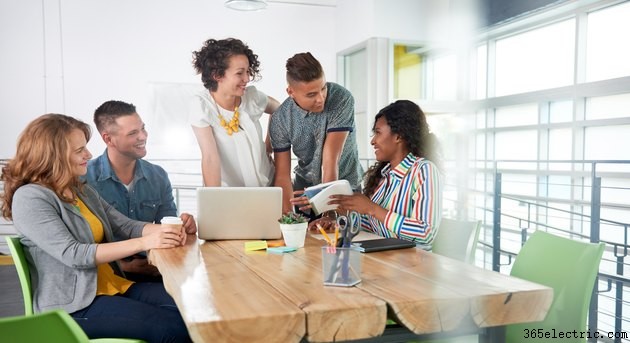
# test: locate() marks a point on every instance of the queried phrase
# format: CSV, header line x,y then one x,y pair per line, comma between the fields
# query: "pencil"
x,y
319,227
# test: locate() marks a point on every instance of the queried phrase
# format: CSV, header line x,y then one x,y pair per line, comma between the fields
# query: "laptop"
x,y
239,213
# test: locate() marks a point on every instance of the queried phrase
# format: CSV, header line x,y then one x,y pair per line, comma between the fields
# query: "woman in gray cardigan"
x,y
67,232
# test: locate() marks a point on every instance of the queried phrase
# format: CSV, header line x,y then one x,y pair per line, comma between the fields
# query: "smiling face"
x,y
388,146
78,151
236,77
310,96
127,137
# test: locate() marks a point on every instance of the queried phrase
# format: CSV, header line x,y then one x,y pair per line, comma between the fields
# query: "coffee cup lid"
x,y
171,220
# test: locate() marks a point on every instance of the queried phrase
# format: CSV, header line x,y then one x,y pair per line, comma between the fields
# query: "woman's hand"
x,y
166,236
356,202
328,224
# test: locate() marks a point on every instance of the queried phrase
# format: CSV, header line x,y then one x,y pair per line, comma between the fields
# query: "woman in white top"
x,y
225,116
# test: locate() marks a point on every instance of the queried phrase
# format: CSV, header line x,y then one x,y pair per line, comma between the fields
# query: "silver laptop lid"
x,y
239,212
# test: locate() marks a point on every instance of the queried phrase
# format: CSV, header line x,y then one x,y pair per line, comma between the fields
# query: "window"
x,y
537,59
608,51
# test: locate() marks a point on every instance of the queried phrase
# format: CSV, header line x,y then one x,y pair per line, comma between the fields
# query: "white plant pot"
x,y
294,234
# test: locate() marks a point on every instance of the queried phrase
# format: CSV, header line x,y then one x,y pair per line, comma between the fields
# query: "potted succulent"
x,y
292,218
293,226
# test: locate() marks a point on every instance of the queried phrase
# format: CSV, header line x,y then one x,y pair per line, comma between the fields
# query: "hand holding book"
x,y
319,195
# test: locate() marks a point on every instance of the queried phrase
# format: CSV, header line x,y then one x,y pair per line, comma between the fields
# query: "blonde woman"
x,y
67,231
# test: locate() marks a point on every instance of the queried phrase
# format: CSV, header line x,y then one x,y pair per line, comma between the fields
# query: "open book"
x,y
319,195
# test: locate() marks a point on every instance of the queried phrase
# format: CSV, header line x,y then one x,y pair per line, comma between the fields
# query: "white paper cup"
x,y
172,221
294,234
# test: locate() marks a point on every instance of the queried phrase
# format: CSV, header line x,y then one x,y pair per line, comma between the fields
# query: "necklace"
x,y
233,125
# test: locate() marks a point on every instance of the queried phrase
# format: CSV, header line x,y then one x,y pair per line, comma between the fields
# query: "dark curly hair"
x,y
407,120
213,59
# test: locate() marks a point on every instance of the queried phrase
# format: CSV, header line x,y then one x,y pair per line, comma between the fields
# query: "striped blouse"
x,y
411,193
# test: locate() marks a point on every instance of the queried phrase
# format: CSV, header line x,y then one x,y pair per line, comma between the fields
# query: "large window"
x,y
608,51
547,106
537,59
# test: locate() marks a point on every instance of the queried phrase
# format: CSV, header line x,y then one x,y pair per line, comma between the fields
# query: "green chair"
x,y
21,265
52,327
457,239
569,267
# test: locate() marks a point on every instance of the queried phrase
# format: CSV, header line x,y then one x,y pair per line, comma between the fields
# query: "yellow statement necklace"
x,y
234,123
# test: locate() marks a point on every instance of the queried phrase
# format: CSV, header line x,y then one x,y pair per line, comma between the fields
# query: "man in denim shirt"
x,y
136,188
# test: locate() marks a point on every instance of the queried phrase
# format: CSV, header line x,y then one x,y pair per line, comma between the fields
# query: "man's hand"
x,y
188,222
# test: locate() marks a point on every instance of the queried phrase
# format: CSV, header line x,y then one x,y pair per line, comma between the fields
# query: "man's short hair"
x,y
303,67
106,114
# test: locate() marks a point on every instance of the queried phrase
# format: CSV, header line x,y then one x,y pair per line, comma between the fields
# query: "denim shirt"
x,y
150,197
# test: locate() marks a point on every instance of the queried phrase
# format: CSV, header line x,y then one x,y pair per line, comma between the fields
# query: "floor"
x,y
10,293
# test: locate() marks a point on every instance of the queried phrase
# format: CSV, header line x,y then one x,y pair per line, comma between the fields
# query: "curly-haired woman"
x,y
402,194
225,116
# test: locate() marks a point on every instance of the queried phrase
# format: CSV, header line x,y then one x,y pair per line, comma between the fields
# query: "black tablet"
x,y
382,244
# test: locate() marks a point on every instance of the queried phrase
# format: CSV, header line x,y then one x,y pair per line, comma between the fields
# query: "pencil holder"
x,y
341,266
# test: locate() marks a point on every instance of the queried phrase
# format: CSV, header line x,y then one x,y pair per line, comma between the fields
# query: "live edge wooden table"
x,y
228,295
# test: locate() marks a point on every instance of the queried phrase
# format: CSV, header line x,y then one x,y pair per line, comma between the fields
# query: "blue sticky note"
x,y
280,250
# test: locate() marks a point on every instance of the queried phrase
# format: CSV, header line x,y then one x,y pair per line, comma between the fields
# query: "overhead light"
x,y
246,5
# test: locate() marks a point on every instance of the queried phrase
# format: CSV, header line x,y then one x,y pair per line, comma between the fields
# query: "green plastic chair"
x,y
21,265
457,239
53,327
569,267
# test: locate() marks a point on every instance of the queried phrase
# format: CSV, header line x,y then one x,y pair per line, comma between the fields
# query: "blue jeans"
x,y
144,312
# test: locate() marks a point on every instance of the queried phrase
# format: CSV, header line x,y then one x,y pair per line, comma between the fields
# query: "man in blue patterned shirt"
x,y
317,122
136,188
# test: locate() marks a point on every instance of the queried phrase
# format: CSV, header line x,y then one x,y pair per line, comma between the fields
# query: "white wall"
x,y
69,56
434,21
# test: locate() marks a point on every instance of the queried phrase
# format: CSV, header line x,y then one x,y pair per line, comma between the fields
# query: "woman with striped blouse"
x,y
402,194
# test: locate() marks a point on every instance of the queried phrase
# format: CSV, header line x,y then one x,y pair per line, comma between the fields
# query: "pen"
x,y
336,235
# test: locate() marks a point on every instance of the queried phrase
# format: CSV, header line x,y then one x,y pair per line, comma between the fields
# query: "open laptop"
x,y
239,212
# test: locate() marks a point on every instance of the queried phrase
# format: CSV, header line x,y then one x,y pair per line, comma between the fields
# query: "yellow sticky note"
x,y
255,245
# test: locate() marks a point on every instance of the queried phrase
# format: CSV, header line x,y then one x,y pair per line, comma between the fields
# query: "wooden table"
x,y
228,295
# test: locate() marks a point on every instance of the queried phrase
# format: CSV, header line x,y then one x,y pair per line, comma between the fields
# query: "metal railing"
x,y
582,210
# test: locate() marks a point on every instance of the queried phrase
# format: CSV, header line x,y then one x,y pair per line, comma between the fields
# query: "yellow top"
x,y
107,283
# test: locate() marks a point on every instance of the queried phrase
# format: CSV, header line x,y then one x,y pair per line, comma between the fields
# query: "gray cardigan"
x,y
59,245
